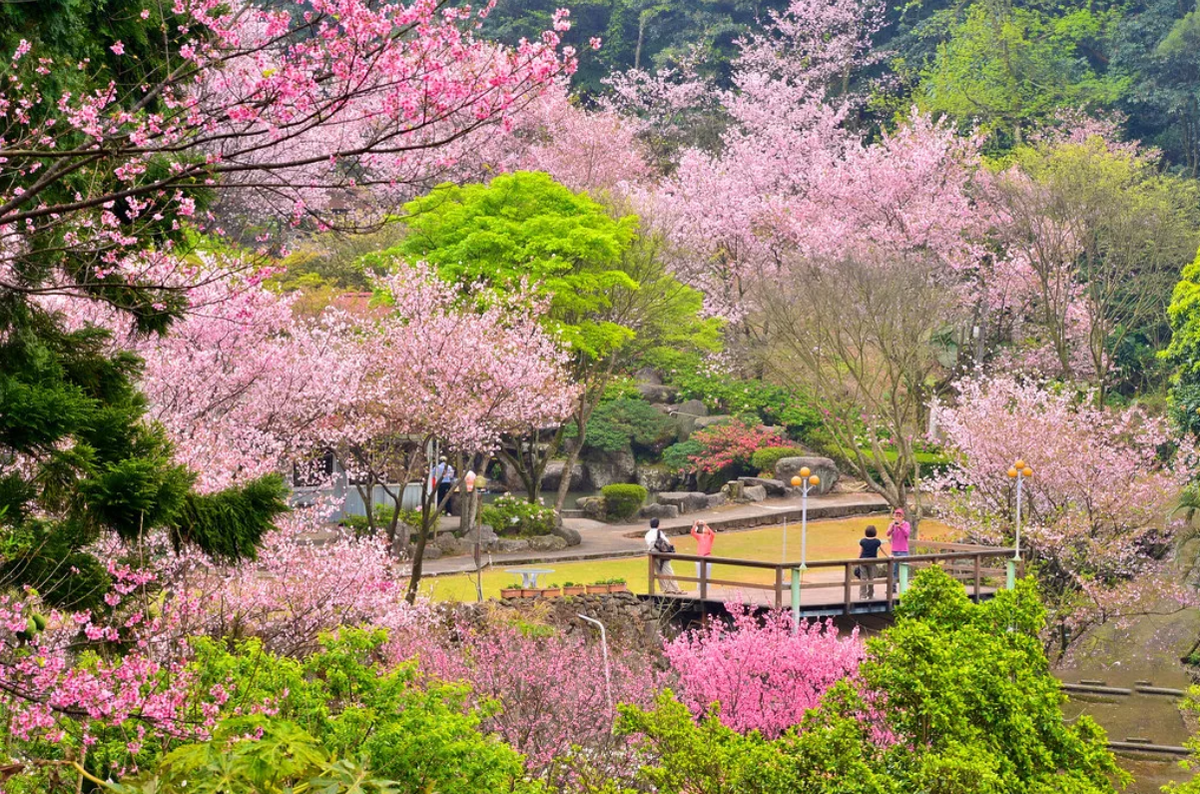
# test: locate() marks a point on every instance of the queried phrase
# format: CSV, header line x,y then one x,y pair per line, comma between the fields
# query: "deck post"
x,y
795,600
904,571
978,563
703,570
779,587
650,557
848,589
1011,565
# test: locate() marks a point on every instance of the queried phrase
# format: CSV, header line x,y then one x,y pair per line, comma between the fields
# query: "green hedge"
x,y
765,459
623,500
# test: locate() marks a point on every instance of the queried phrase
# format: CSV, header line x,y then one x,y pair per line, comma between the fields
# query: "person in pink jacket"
x,y
898,533
704,536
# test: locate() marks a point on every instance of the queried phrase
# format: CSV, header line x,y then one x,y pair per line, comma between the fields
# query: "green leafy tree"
x,y
612,302
1012,67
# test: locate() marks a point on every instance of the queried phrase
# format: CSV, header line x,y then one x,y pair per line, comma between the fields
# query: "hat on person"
x,y
442,459
899,511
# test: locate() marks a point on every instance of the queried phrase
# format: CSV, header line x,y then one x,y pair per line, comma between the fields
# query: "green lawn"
x,y
827,540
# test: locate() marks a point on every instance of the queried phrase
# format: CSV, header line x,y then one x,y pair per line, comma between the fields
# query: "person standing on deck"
x,y
705,537
898,533
657,541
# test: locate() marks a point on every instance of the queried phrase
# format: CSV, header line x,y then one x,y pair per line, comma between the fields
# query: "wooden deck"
x,y
830,587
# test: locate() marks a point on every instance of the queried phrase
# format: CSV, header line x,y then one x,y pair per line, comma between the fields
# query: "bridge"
x,y
825,588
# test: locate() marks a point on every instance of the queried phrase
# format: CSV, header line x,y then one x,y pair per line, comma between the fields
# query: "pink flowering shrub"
x,y
550,691
762,675
729,444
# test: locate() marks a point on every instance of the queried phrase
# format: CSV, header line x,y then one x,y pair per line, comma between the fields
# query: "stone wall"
x,y
628,620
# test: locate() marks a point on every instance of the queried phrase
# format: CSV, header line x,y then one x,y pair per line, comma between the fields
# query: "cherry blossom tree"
x,y
1095,514
447,374
286,106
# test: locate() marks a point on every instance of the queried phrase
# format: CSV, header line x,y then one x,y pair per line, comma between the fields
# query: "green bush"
x,y
627,423
623,500
511,516
773,405
765,459
677,457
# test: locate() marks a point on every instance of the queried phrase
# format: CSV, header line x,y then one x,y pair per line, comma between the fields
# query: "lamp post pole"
x,y
603,650
805,480
1020,471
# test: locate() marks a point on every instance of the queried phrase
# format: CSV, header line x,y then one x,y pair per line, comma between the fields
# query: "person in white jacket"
x,y
657,541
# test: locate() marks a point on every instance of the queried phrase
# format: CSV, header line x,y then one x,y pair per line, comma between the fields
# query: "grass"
x,y
827,540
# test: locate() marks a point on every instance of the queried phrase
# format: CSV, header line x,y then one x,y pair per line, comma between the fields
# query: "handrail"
x,y
972,576
953,555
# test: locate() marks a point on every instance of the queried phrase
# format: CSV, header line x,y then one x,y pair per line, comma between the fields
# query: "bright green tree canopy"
x,y
525,226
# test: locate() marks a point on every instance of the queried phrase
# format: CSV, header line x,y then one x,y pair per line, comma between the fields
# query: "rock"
x,y
655,478
554,473
659,511
432,553
592,507
488,539
693,407
774,487
607,468
708,421
656,392
512,544
547,543
450,545
648,375
715,500
754,493
686,501
569,534
787,468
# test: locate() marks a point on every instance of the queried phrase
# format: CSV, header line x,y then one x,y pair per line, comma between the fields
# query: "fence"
x,y
824,585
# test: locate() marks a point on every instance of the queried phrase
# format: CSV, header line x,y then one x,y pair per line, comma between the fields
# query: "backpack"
x,y
661,544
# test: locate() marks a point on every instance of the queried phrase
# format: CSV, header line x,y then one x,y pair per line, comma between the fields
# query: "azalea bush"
x,y
508,515
763,673
730,444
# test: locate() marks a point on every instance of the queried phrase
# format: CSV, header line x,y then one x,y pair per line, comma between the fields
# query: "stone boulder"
x,y
659,511
686,501
569,534
774,487
432,552
547,543
648,375
708,421
507,545
692,407
603,469
656,392
715,500
787,468
554,474
452,546
754,493
655,478
592,507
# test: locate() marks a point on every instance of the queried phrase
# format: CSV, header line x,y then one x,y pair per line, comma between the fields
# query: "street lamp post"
x,y
1020,471
603,650
805,480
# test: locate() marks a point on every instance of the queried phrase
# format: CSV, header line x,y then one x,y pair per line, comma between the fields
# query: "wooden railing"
x,y
982,569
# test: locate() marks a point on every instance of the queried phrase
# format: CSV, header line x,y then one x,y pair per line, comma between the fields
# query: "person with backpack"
x,y
657,541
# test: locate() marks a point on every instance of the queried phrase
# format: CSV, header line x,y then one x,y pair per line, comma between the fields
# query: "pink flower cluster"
x,y
764,672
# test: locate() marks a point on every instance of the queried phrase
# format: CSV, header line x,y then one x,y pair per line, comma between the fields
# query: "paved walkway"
x,y
606,541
